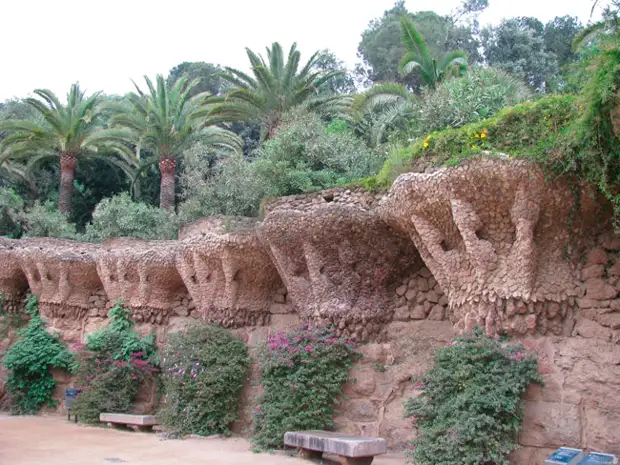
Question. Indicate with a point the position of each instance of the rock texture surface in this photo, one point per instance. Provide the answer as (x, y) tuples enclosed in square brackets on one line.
[(499, 238), (490, 243)]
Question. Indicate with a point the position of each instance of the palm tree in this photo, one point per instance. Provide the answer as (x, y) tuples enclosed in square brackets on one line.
[(419, 57), (276, 87), (65, 131), (385, 105), (164, 122)]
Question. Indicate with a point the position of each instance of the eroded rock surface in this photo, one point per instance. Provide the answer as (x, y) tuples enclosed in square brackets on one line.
[(62, 274), (499, 238), (13, 282), (230, 277), (143, 275), (339, 263)]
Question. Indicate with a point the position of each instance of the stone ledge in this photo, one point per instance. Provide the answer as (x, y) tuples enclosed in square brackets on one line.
[(128, 419), (336, 443)]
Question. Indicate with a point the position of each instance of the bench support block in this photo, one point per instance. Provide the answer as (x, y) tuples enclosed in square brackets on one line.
[(357, 460), (310, 454)]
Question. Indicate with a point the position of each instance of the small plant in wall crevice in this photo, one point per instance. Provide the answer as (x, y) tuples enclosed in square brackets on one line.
[(470, 407)]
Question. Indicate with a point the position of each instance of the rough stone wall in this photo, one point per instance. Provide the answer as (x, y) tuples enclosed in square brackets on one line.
[(358, 198), (500, 239), (340, 264), (491, 242)]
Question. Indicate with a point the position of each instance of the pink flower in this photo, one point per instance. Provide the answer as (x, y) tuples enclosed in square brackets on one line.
[(308, 349)]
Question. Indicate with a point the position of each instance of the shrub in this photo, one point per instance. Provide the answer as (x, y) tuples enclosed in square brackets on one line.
[(115, 362), (120, 216), (302, 376), (229, 187), (30, 385), (44, 220), (536, 130), (325, 156), (203, 370), (479, 94), (305, 155), (470, 409), (11, 205)]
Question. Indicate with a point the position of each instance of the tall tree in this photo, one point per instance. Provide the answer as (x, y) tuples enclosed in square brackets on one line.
[(328, 62), (559, 34), (164, 121), (419, 57), (517, 46), (276, 86), (65, 131), (208, 73), (381, 47)]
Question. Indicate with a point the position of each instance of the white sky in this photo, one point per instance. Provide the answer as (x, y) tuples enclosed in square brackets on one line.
[(104, 44)]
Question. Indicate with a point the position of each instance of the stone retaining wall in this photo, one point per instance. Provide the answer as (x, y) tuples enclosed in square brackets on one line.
[(492, 243)]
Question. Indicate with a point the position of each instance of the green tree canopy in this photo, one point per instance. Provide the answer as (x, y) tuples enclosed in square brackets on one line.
[(209, 74), (518, 46), (328, 62), (381, 48)]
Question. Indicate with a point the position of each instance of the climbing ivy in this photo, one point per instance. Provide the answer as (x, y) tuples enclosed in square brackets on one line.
[(30, 385), (115, 362), (203, 371), (470, 408), (302, 376)]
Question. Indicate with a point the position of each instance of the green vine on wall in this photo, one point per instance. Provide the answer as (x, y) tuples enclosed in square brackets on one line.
[(302, 376), (203, 371), (469, 410), (30, 385), (115, 362)]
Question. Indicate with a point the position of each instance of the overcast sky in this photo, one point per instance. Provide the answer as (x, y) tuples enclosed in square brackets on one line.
[(104, 44)]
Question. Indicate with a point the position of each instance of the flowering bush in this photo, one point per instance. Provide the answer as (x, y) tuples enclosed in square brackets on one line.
[(302, 376), (470, 408), (114, 362), (30, 384), (203, 370)]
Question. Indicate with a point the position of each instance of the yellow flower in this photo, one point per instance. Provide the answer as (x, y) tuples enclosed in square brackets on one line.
[(425, 144), (483, 135), (477, 136)]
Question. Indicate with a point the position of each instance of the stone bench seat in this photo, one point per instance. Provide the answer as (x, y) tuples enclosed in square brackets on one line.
[(354, 450), (141, 422)]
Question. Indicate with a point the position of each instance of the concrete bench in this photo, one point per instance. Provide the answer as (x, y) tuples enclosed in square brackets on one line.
[(141, 422), (354, 450)]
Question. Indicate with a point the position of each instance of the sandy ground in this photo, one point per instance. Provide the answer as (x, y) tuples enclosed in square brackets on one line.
[(51, 440)]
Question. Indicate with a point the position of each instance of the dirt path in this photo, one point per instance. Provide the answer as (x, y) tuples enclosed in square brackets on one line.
[(51, 440)]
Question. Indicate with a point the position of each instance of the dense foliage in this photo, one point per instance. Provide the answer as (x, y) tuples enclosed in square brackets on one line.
[(210, 139), (470, 408), (203, 370), (30, 385), (302, 371), (306, 155), (114, 363), (120, 216)]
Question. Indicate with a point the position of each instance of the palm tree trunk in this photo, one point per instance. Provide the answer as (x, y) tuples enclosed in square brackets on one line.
[(167, 167), (68, 162)]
